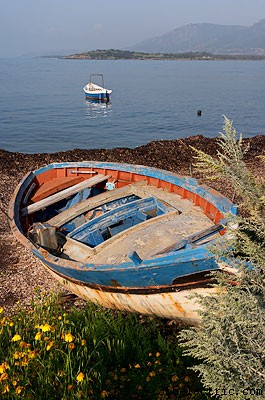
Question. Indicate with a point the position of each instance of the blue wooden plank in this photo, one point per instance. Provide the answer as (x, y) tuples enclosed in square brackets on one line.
[(95, 237)]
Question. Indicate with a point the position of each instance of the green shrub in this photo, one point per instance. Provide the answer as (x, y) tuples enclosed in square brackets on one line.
[(229, 344)]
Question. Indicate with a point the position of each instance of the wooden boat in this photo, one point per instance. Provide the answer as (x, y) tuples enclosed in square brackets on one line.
[(96, 92), (125, 236)]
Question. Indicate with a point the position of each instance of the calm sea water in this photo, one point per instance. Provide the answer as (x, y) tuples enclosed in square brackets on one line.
[(43, 107)]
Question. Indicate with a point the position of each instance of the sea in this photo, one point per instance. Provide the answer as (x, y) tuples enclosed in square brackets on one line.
[(43, 107)]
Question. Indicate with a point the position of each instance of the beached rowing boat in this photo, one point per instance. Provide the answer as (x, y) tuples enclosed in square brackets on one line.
[(128, 237)]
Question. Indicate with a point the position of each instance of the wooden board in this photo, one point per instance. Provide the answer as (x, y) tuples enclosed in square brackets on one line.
[(63, 194)]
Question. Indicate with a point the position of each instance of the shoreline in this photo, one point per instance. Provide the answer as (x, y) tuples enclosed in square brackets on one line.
[(20, 273)]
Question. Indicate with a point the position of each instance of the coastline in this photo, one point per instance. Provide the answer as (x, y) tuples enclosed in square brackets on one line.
[(20, 272)]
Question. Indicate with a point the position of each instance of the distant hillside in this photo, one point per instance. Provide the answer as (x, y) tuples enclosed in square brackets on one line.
[(211, 38)]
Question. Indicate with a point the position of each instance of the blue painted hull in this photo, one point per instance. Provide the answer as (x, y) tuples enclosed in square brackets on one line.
[(97, 96)]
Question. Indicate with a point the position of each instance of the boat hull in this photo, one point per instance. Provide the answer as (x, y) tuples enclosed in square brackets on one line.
[(176, 304), (149, 286), (97, 96)]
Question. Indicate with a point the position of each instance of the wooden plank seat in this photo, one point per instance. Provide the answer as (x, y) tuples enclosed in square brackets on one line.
[(63, 194), (116, 220), (93, 202)]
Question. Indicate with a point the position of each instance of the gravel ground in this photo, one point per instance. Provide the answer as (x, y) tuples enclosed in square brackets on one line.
[(20, 272)]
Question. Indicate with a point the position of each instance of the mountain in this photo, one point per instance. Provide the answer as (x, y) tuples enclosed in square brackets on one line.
[(206, 37)]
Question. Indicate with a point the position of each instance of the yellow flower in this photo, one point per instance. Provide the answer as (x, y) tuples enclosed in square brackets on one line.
[(61, 373), (152, 373), (25, 362), (174, 378), (123, 370), (149, 364), (19, 354), (171, 388), (16, 338), (1, 310), (33, 354), (6, 389), (18, 389), (14, 383), (71, 346), (157, 354), (38, 336), (49, 346), (45, 328), (3, 367), (137, 366), (11, 323), (104, 393), (187, 378), (68, 337), (22, 344), (83, 342), (80, 377), (3, 376)]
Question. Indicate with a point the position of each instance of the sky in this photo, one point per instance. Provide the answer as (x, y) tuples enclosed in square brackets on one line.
[(46, 26)]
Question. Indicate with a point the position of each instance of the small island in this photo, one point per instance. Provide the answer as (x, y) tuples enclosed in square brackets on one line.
[(113, 54)]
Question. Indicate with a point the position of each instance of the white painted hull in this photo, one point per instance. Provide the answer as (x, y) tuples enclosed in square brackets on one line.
[(178, 305)]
